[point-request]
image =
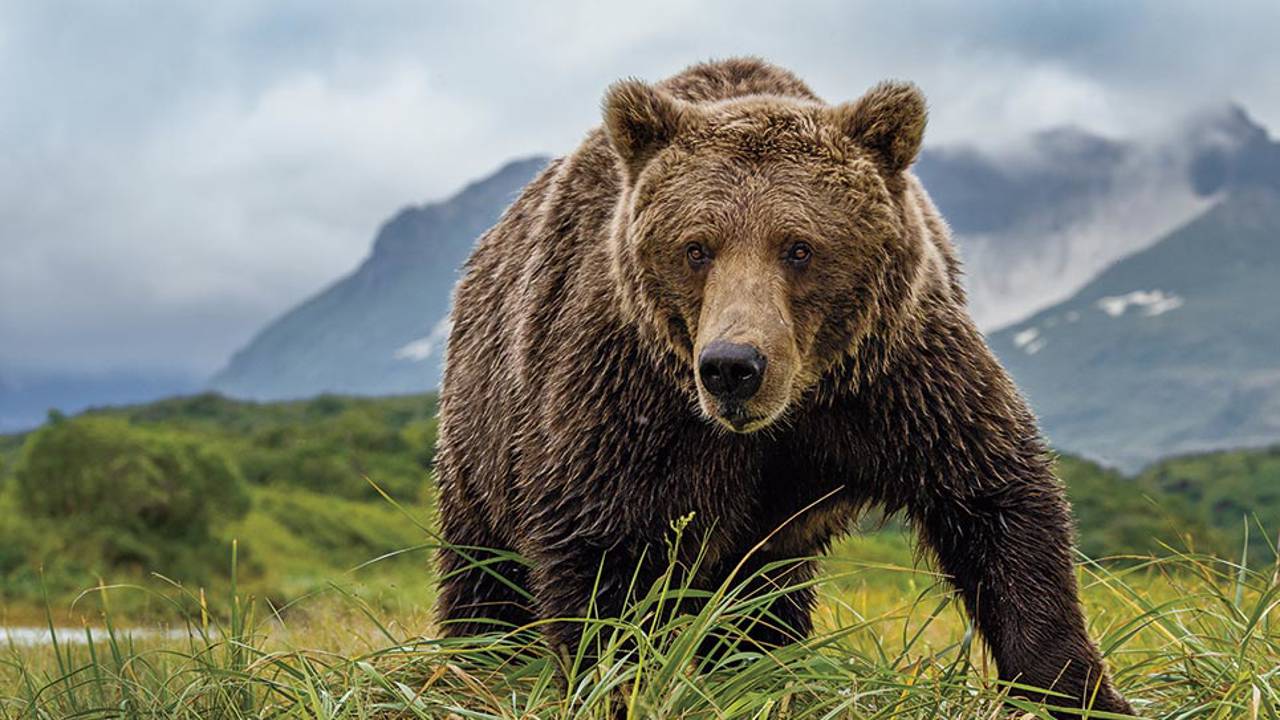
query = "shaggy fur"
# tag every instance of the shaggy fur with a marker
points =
(575, 429)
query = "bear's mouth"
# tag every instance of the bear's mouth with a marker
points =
(736, 418)
(748, 425)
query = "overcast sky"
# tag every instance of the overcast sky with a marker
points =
(174, 175)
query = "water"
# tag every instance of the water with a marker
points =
(33, 636)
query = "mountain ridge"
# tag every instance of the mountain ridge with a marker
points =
(358, 335)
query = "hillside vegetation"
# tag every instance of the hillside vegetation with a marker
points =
(116, 495)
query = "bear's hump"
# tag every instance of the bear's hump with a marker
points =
(718, 80)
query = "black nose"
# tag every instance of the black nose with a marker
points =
(731, 371)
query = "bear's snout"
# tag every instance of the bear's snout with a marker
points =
(732, 372)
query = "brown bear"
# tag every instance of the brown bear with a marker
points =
(736, 301)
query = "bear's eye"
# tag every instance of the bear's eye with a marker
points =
(698, 255)
(799, 254)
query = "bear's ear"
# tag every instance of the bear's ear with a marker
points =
(640, 120)
(888, 121)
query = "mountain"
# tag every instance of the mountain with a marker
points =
(1175, 349)
(381, 329)
(1035, 225)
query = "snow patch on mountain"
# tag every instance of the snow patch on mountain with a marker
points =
(1151, 303)
(426, 347)
(1029, 340)
(1026, 337)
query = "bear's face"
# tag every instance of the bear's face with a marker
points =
(757, 236)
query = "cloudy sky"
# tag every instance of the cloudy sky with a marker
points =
(173, 175)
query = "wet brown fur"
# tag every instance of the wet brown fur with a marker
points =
(574, 429)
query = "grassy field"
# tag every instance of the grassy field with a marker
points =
(123, 523)
(1187, 637)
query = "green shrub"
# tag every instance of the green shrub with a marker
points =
(1228, 489)
(17, 535)
(144, 486)
(337, 452)
(420, 437)
(1118, 515)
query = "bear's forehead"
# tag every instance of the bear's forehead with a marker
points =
(766, 128)
(726, 186)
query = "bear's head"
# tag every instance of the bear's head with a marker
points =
(762, 239)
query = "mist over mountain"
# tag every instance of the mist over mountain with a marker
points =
(1034, 226)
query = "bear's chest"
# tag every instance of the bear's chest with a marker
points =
(778, 503)
(802, 505)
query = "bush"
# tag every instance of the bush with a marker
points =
(17, 536)
(420, 436)
(1118, 515)
(143, 486)
(336, 453)
(1230, 489)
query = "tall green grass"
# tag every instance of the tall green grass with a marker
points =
(1187, 636)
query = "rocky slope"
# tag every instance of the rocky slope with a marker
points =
(1175, 349)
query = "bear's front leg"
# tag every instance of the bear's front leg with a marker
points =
(576, 579)
(1006, 543)
(788, 617)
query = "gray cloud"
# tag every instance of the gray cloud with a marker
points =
(172, 175)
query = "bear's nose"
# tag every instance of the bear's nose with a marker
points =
(731, 371)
